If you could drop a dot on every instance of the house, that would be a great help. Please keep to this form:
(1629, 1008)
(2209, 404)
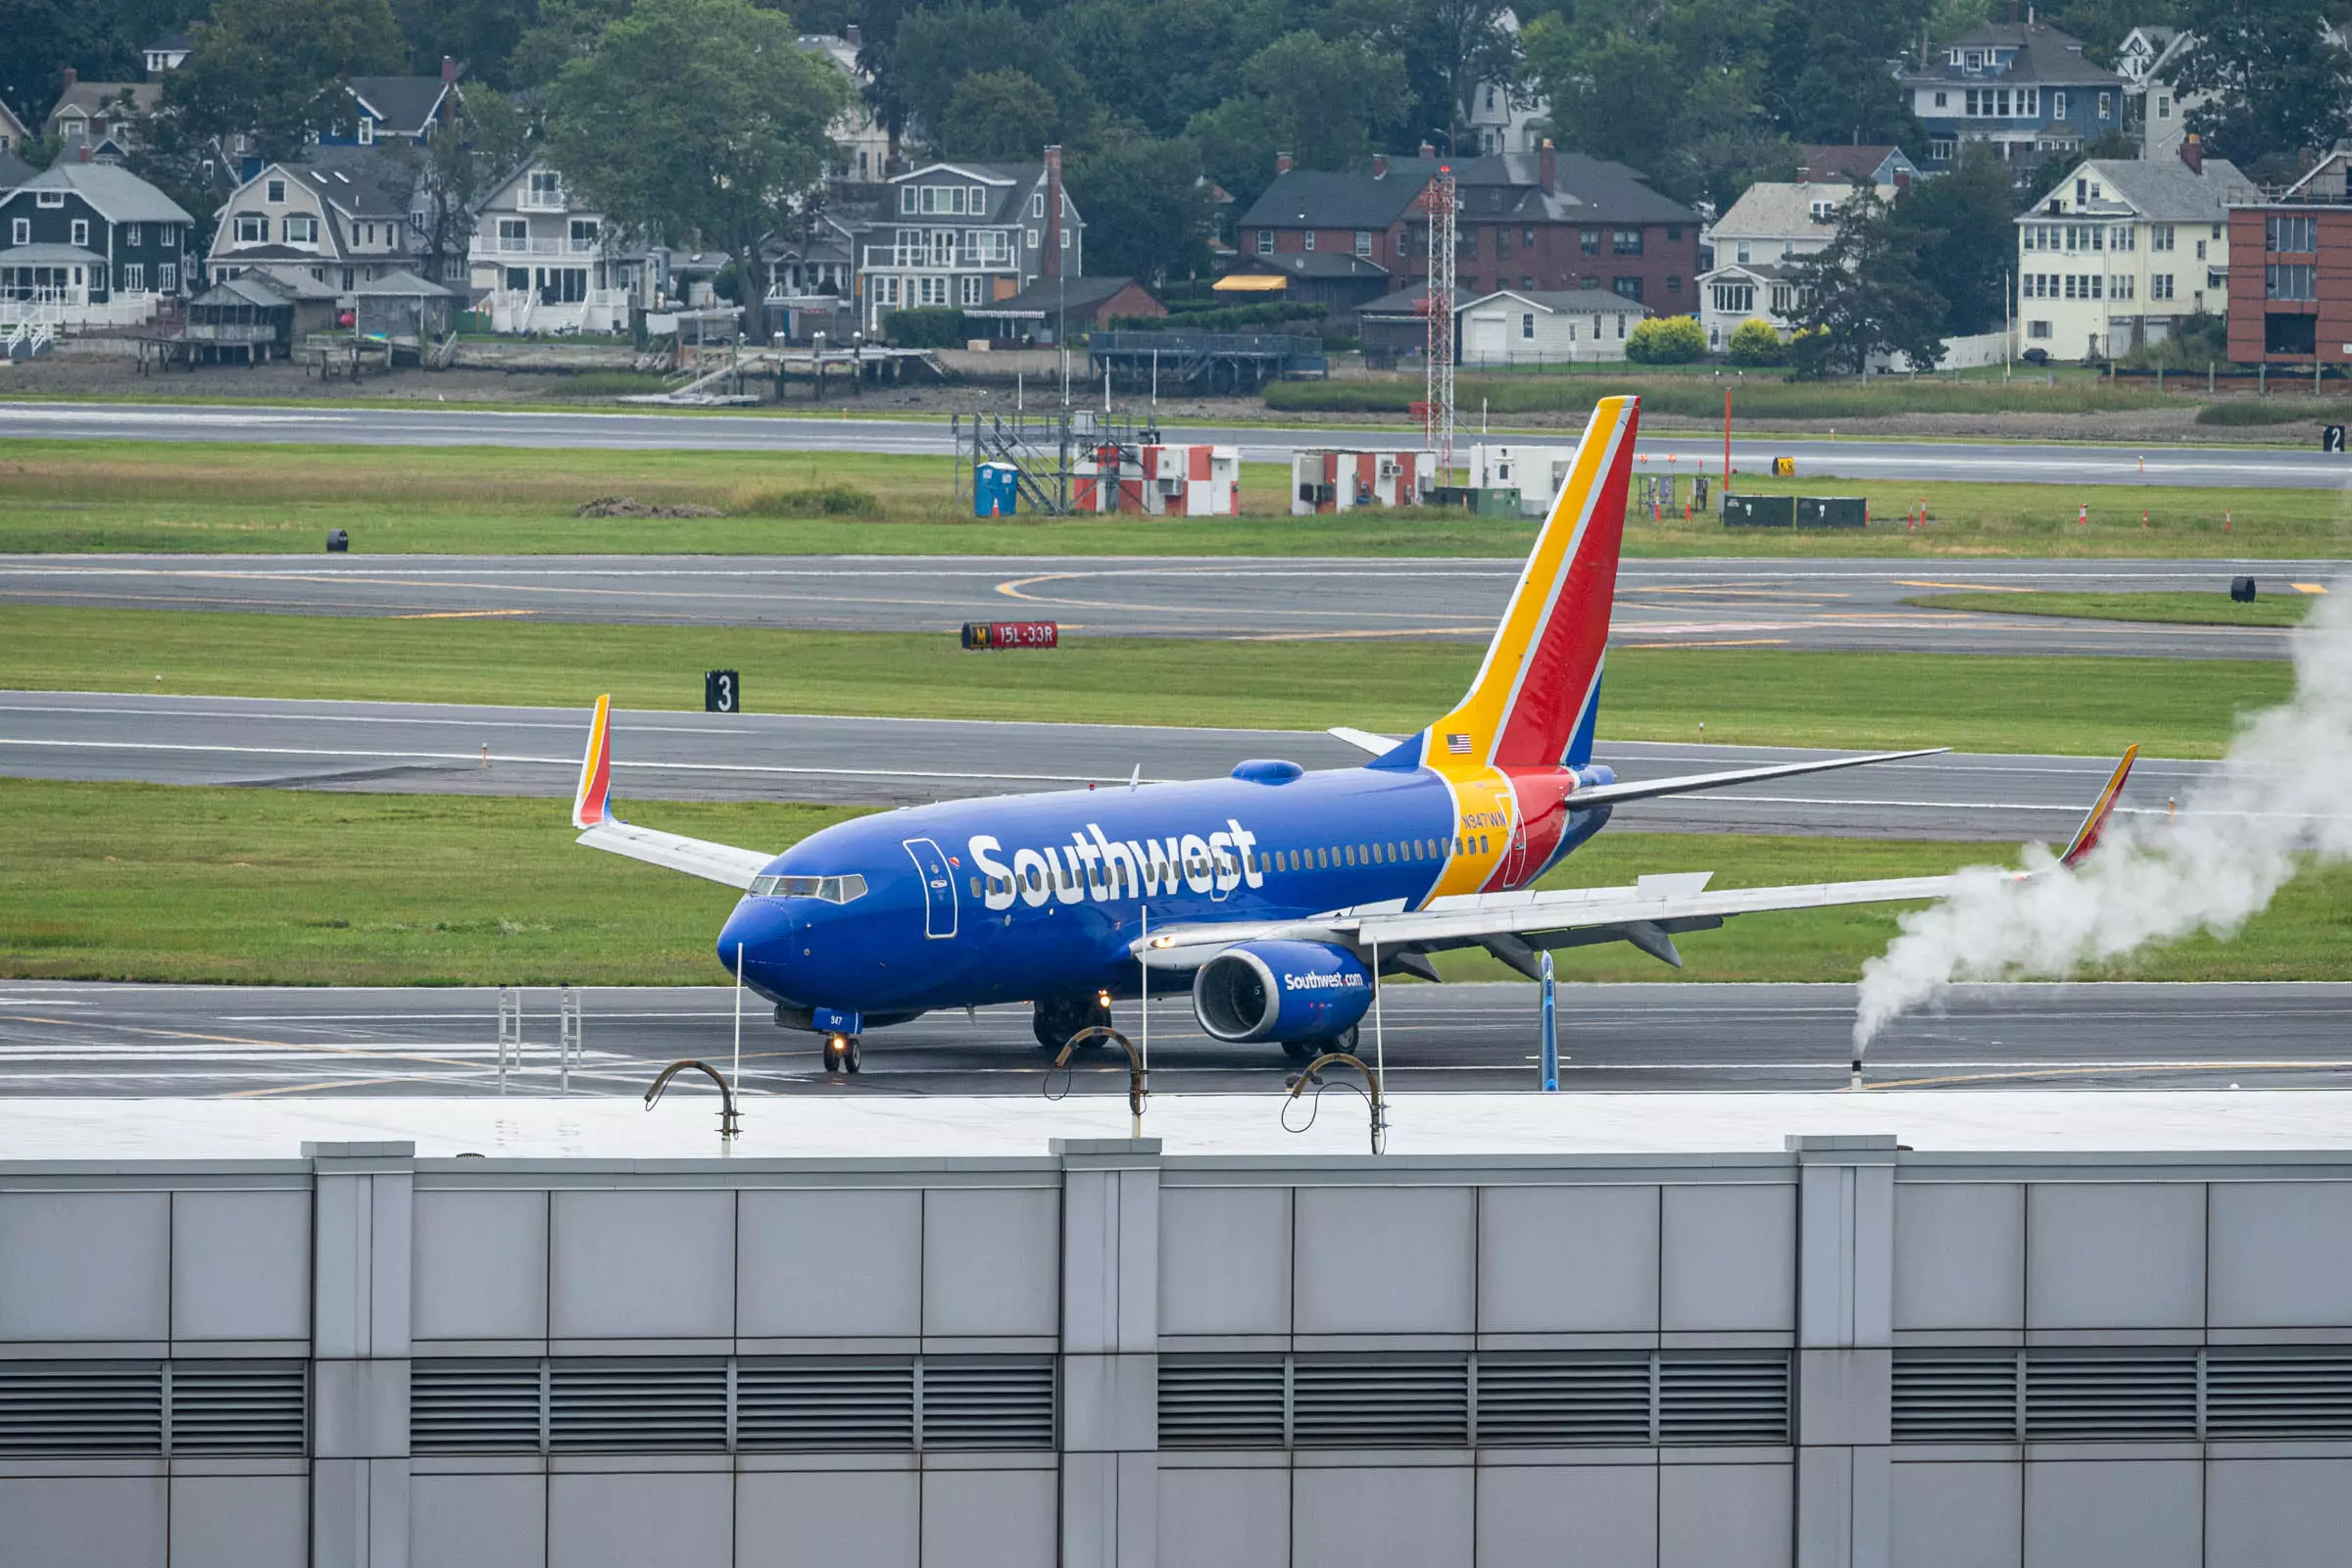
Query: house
(1544, 220)
(1757, 247)
(1397, 325)
(860, 133)
(1537, 327)
(401, 306)
(168, 52)
(12, 134)
(966, 234)
(2122, 248)
(99, 119)
(2296, 308)
(2145, 60)
(1886, 166)
(1338, 282)
(543, 260)
(94, 245)
(1048, 307)
(250, 319)
(407, 108)
(341, 216)
(2022, 88)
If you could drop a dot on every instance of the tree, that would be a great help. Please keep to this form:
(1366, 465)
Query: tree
(1863, 295)
(456, 171)
(1450, 49)
(1326, 101)
(2283, 83)
(939, 47)
(701, 121)
(1961, 222)
(1666, 340)
(273, 69)
(1147, 214)
(996, 114)
(1825, 66)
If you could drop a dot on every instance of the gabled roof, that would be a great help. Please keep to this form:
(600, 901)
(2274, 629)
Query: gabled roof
(1771, 271)
(401, 285)
(2042, 54)
(1771, 210)
(1315, 264)
(116, 194)
(94, 97)
(357, 180)
(1496, 188)
(405, 104)
(252, 288)
(1406, 302)
(1558, 302)
(13, 172)
(1832, 163)
(2162, 190)
(1007, 186)
(171, 43)
(1045, 296)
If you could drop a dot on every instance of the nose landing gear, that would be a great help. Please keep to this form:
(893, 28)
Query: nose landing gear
(842, 1053)
(1056, 1019)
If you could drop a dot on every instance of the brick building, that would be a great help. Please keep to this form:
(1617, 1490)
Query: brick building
(2294, 306)
(1545, 220)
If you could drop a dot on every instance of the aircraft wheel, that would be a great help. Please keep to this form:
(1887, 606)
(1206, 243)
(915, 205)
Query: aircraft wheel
(1344, 1040)
(1302, 1052)
(835, 1050)
(853, 1059)
(1052, 1022)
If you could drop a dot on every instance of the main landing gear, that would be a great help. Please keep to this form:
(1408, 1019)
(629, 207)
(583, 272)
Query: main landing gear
(1056, 1018)
(841, 1053)
(1303, 1052)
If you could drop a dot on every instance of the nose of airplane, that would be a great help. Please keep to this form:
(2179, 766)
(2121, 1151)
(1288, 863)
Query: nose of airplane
(759, 930)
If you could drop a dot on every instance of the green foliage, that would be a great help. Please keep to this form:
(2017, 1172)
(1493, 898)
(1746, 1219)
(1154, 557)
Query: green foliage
(937, 326)
(1327, 101)
(2282, 85)
(700, 120)
(816, 501)
(996, 114)
(1756, 342)
(1863, 294)
(1146, 213)
(1967, 246)
(2194, 342)
(1288, 315)
(1667, 340)
(273, 69)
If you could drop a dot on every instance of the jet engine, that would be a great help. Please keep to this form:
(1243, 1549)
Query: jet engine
(1281, 991)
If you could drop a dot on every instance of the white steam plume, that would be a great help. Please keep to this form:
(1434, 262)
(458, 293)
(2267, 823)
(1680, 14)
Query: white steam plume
(2284, 791)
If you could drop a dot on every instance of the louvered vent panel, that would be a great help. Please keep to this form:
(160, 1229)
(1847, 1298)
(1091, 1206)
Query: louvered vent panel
(81, 1407)
(1379, 1402)
(1740, 1398)
(1000, 1402)
(812, 1402)
(239, 1407)
(666, 1405)
(2091, 1396)
(472, 1406)
(1584, 1399)
(1955, 1397)
(1220, 1403)
(2283, 1393)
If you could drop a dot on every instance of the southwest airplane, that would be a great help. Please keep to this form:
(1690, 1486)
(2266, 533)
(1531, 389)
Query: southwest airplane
(1280, 895)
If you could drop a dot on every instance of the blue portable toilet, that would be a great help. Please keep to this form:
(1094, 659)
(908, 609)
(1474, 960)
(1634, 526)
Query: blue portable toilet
(996, 490)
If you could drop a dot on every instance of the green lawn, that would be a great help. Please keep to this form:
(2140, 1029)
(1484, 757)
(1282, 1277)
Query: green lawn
(148, 882)
(1743, 696)
(162, 497)
(2170, 609)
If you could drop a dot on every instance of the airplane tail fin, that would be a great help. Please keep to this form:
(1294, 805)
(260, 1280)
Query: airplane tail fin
(1537, 694)
(2087, 837)
(588, 808)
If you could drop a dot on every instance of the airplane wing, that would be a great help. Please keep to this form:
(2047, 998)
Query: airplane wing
(600, 829)
(1363, 740)
(1611, 794)
(1514, 926)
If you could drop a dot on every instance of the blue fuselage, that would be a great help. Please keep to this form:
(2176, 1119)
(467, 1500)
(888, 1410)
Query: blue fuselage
(1012, 898)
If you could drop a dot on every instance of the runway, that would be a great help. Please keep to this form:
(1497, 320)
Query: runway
(149, 1040)
(1855, 604)
(417, 747)
(1864, 459)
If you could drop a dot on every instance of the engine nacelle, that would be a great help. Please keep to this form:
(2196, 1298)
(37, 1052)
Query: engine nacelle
(1281, 991)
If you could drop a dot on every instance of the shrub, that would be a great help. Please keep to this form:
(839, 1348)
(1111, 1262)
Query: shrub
(1666, 340)
(931, 327)
(1283, 315)
(1757, 341)
(820, 500)
(2266, 411)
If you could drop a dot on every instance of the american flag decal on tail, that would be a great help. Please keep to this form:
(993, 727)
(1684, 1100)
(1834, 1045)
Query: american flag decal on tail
(1457, 743)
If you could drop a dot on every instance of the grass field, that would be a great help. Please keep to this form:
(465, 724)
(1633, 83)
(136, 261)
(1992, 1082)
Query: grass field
(146, 882)
(1749, 695)
(1759, 395)
(146, 495)
(2169, 609)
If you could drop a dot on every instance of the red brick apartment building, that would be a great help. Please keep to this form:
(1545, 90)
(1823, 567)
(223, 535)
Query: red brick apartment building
(2290, 283)
(1541, 221)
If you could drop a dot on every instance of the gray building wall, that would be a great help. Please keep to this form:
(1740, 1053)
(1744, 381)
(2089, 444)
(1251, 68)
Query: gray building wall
(1840, 1355)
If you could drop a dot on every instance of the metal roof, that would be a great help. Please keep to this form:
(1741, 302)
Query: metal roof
(116, 194)
(50, 255)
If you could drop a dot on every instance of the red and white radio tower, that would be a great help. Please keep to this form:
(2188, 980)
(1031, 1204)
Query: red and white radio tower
(1440, 307)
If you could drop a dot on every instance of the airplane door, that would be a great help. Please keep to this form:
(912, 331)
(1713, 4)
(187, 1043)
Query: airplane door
(1514, 858)
(939, 888)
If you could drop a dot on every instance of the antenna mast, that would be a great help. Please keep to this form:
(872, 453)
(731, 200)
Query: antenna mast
(1440, 306)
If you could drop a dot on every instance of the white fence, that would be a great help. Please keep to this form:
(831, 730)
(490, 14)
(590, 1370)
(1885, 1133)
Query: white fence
(1959, 354)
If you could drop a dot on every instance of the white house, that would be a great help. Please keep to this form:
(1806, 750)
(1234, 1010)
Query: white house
(542, 262)
(1535, 326)
(2122, 249)
(859, 133)
(1758, 245)
(340, 217)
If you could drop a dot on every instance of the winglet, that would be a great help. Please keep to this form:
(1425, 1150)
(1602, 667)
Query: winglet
(596, 769)
(2087, 837)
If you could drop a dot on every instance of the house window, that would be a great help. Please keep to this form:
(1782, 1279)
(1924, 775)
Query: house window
(19, 231)
(2201, 250)
(1527, 237)
(1308, 243)
(1503, 243)
(1942, 148)
(975, 199)
(2164, 107)
(1265, 241)
(970, 287)
(1824, 212)
(886, 291)
(1943, 100)
(1621, 320)
(1032, 238)
(514, 234)
(2160, 236)
(1743, 257)
(274, 192)
(2160, 286)
(1527, 325)
(1629, 287)
(300, 229)
(586, 233)
(167, 277)
(1037, 204)
(2126, 239)
(2037, 329)
(134, 278)
(1734, 298)
(1783, 296)
(2106, 106)
(1590, 241)
(905, 198)
(2289, 280)
(130, 233)
(366, 131)
(1627, 241)
(81, 231)
(2295, 235)
(1065, 239)
(1363, 242)
(167, 235)
(49, 198)
(1674, 284)
(2124, 288)
(2057, 105)
(253, 229)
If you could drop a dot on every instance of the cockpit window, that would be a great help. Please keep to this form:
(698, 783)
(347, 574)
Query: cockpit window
(830, 889)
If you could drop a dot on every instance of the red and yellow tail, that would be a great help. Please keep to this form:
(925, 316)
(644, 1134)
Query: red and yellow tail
(588, 807)
(1537, 694)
